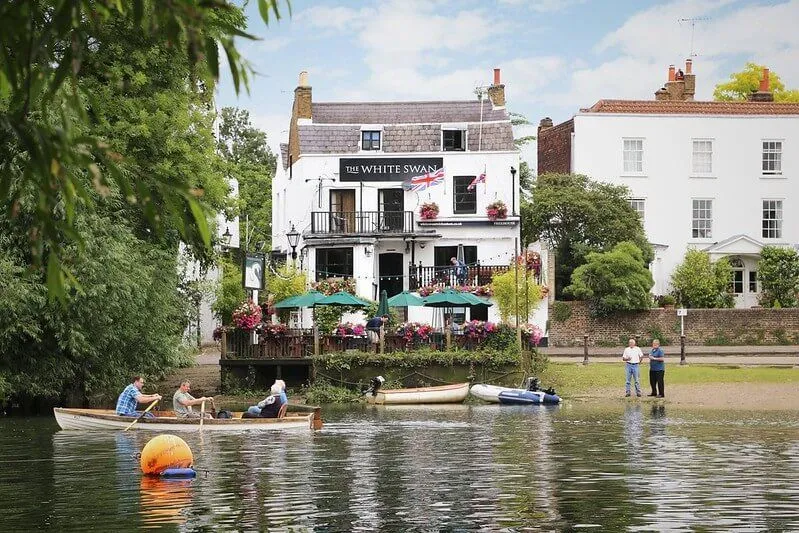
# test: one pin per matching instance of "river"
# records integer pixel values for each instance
(625, 467)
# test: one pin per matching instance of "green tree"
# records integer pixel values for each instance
(742, 84)
(778, 272)
(249, 159)
(284, 282)
(700, 283)
(47, 153)
(230, 291)
(577, 216)
(505, 289)
(614, 281)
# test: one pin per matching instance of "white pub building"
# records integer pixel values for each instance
(354, 177)
(716, 176)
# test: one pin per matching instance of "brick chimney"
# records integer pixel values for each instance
(496, 92)
(545, 124)
(300, 111)
(763, 94)
(680, 86)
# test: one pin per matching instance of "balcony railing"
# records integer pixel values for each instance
(474, 275)
(355, 222)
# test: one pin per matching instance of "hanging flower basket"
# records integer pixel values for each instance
(429, 211)
(247, 316)
(497, 210)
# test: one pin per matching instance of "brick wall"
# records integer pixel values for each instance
(554, 148)
(702, 326)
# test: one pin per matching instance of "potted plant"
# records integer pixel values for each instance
(429, 211)
(497, 210)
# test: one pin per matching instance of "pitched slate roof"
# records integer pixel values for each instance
(284, 155)
(404, 112)
(329, 139)
(693, 108)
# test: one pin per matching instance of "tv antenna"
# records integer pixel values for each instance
(692, 21)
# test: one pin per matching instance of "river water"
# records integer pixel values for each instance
(628, 467)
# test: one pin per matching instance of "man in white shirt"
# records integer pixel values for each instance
(632, 357)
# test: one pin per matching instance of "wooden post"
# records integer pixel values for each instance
(448, 333)
(315, 339)
(223, 345)
(382, 340)
(585, 348)
(682, 349)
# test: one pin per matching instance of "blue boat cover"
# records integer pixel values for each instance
(524, 397)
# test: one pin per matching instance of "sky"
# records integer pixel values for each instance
(556, 56)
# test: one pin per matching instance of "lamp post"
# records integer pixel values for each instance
(293, 237)
(226, 237)
(513, 190)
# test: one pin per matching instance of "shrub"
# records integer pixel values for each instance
(778, 272)
(230, 293)
(561, 312)
(699, 283)
(614, 281)
(506, 288)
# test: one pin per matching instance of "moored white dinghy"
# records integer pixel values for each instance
(487, 393)
(445, 394)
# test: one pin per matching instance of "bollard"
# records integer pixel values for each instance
(682, 349)
(585, 348)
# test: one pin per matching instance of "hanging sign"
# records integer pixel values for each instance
(254, 271)
(386, 168)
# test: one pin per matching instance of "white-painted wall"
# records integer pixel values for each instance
(668, 185)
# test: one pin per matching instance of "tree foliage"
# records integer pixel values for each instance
(47, 151)
(742, 84)
(699, 283)
(778, 272)
(230, 291)
(249, 159)
(506, 288)
(284, 282)
(578, 216)
(613, 281)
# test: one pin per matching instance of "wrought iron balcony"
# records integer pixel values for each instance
(361, 222)
(476, 274)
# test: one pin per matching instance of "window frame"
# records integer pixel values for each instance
(779, 208)
(698, 229)
(464, 139)
(694, 152)
(464, 181)
(641, 212)
(374, 146)
(753, 282)
(625, 159)
(349, 260)
(777, 161)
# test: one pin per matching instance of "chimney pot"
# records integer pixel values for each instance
(688, 65)
(764, 82)
(496, 77)
(671, 73)
(303, 79)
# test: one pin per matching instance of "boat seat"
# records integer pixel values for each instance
(282, 412)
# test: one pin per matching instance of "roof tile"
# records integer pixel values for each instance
(693, 108)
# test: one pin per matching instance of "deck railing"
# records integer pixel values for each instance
(361, 222)
(448, 276)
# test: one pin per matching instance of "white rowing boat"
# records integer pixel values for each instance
(106, 419)
(445, 394)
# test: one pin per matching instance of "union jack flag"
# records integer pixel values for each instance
(420, 183)
(479, 179)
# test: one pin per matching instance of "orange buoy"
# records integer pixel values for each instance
(163, 452)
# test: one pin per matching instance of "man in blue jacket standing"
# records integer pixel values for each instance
(657, 369)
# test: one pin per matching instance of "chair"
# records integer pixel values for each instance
(282, 412)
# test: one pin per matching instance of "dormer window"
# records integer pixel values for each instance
(453, 140)
(370, 140)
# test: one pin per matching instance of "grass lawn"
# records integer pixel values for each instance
(570, 378)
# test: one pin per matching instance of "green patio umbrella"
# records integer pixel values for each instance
(382, 309)
(476, 299)
(405, 299)
(307, 299)
(450, 298)
(341, 298)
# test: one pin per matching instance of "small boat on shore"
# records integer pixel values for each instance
(300, 417)
(444, 394)
(508, 395)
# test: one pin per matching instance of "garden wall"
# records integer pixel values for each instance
(569, 321)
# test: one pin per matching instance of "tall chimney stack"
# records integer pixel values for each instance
(301, 111)
(689, 63)
(671, 73)
(763, 93)
(496, 92)
(764, 81)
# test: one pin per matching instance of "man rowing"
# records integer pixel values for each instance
(131, 396)
(182, 402)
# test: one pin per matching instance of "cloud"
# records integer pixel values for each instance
(273, 45)
(333, 18)
(544, 6)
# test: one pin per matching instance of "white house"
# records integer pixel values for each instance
(341, 187)
(715, 176)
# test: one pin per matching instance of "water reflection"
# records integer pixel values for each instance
(633, 466)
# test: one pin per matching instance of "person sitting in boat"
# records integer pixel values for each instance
(270, 406)
(182, 402)
(131, 396)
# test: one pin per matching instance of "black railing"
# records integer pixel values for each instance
(449, 276)
(352, 222)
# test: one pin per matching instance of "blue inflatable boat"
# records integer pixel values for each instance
(526, 397)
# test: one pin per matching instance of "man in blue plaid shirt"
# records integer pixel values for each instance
(132, 396)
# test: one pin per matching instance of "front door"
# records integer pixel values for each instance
(342, 211)
(391, 209)
(391, 269)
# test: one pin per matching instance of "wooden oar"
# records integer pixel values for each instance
(142, 415)
(202, 414)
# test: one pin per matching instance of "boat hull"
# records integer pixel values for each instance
(487, 393)
(525, 397)
(106, 420)
(445, 394)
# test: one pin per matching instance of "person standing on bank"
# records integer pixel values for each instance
(657, 369)
(373, 328)
(632, 357)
